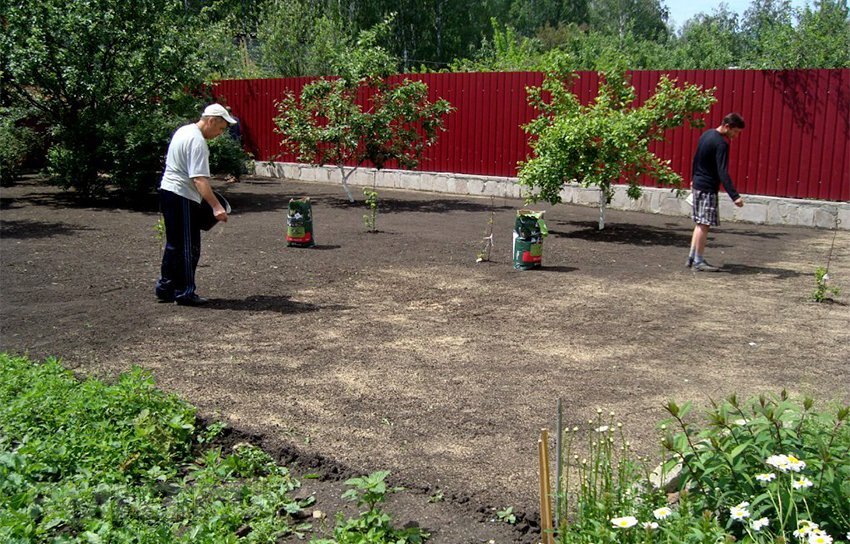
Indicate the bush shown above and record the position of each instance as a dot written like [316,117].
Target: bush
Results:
[17,142]
[770,459]
[227,156]
[762,471]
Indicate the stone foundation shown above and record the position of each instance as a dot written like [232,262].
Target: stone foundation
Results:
[765,210]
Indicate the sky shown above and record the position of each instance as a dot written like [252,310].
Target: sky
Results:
[682,10]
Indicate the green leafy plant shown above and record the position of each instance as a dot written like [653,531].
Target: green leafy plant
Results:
[767,465]
[608,140]
[507,515]
[17,142]
[373,526]
[607,496]
[227,157]
[371,216]
[89,462]
[823,291]
[397,121]
[159,229]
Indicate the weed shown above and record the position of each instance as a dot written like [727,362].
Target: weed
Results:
[89,462]
[211,432]
[823,291]
[507,515]
[437,497]
[372,526]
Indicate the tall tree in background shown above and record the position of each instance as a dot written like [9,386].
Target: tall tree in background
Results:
[822,39]
[298,38]
[645,19]
[709,42]
[766,28]
[528,16]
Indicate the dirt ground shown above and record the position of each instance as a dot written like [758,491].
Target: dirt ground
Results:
[395,350]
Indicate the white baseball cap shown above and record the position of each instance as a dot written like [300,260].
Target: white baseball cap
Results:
[217,110]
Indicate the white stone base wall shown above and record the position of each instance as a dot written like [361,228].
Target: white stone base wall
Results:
[766,210]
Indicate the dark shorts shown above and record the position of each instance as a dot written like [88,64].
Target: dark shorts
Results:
[705,208]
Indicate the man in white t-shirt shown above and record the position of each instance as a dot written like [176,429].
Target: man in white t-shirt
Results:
[185,183]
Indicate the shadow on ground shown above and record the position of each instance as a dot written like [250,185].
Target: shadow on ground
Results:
[27,229]
[268,303]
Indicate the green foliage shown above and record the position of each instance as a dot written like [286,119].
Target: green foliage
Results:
[89,462]
[507,515]
[598,144]
[373,526]
[772,458]
[228,157]
[395,123]
[17,142]
[103,75]
[607,497]
[371,216]
[709,42]
[299,39]
[762,471]
[822,290]
[507,52]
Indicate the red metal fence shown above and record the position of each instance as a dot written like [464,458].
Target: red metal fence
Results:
[797,141]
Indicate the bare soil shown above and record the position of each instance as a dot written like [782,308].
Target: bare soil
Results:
[395,350]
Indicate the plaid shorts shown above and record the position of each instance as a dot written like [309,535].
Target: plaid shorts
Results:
[705,208]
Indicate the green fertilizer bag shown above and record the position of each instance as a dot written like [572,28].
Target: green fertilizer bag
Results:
[529,231]
[299,223]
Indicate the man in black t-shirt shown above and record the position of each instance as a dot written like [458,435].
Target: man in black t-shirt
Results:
[709,172]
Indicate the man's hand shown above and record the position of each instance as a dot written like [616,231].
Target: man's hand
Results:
[220,214]
[739,202]
[203,185]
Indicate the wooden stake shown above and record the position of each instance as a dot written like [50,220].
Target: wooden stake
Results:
[559,462]
[546,535]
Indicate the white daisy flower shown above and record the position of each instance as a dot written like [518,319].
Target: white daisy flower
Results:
[761,523]
[820,538]
[602,429]
[801,483]
[624,522]
[740,512]
[795,464]
[650,525]
[778,461]
[766,477]
[662,513]
[804,528]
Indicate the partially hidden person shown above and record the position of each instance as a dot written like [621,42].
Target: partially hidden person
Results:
[710,171]
[185,183]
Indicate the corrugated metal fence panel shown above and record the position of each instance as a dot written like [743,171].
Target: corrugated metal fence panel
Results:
[796,144]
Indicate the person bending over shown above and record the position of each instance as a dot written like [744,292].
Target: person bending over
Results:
[185,183]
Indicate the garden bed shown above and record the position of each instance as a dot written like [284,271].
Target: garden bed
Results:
[395,350]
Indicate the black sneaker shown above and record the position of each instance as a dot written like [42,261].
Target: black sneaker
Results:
[193,300]
[703,266]
[164,296]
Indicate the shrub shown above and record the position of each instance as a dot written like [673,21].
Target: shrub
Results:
[228,157]
[765,470]
[17,142]
[767,458]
